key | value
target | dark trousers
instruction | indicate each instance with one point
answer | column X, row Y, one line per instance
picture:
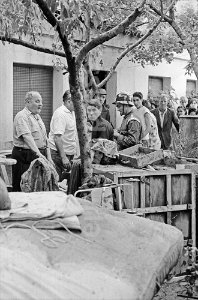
column 24, row 157
column 62, row 172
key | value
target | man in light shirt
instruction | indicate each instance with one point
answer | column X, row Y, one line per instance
column 29, row 137
column 63, row 136
column 165, row 117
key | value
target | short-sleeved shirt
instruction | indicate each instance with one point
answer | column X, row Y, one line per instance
column 64, row 123
column 26, row 122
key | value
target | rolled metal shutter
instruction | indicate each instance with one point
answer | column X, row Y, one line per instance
column 155, row 85
column 33, row 78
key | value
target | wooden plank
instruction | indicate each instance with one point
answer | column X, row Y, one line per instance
column 124, row 171
column 169, row 197
column 193, row 217
column 128, row 190
column 161, row 209
column 142, row 194
column 156, row 191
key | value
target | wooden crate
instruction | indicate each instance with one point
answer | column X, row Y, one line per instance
column 139, row 157
column 166, row 196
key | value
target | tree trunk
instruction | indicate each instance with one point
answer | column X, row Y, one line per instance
column 81, row 123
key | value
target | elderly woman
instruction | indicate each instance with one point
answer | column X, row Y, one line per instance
column 150, row 137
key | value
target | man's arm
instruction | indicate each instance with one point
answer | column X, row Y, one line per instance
column 148, row 124
column 110, row 132
column 59, row 145
column 132, row 136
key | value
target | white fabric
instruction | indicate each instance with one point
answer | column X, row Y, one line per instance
column 140, row 114
column 40, row 205
column 63, row 122
column 162, row 115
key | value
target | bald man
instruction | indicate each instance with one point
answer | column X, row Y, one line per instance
column 29, row 137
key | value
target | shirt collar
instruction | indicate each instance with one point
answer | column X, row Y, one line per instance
column 66, row 109
column 29, row 113
column 129, row 113
column 163, row 112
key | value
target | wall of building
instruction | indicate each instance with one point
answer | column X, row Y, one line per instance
column 17, row 54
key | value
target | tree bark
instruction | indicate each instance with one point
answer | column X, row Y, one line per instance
column 81, row 124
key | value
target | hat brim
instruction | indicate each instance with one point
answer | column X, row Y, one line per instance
column 123, row 102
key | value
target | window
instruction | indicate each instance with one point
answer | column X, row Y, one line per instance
column 158, row 84
column 191, row 87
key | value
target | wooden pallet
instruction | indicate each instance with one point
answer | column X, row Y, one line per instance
column 166, row 196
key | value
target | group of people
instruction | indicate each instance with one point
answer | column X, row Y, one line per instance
column 188, row 107
column 151, row 128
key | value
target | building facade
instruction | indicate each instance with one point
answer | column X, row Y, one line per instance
column 23, row 69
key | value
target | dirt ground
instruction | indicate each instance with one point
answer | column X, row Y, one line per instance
column 171, row 291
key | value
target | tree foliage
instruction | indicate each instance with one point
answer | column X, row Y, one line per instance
column 178, row 32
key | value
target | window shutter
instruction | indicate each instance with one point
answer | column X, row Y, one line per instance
column 27, row 78
column 166, row 84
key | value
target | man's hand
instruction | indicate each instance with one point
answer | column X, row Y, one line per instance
column 41, row 155
column 115, row 133
column 66, row 163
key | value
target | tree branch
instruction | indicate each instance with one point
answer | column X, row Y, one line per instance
column 172, row 23
column 57, row 26
column 31, row 46
column 181, row 35
column 109, row 34
column 90, row 75
column 47, row 12
column 130, row 48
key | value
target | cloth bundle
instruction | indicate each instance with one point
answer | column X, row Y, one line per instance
column 104, row 151
column 43, row 209
column 40, row 176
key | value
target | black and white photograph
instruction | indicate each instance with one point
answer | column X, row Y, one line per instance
column 98, row 149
